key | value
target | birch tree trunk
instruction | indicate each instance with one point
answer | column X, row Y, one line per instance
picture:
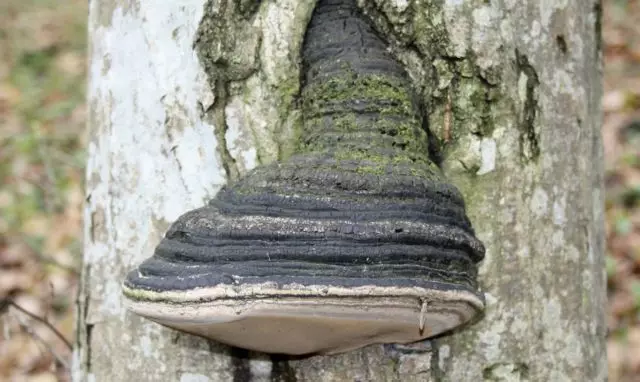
column 187, row 95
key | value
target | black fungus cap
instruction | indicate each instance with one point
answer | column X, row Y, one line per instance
column 358, row 220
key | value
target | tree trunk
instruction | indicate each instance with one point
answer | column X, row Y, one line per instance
column 187, row 95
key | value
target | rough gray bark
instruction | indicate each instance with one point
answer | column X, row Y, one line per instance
column 184, row 96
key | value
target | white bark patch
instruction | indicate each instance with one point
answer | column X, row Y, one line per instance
column 146, row 346
column 559, row 217
column 260, row 369
column 444, row 352
column 151, row 158
column 474, row 153
column 485, row 39
column 191, row 377
column 488, row 151
column 444, row 74
column 467, row 156
column 400, row 5
column 539, row 203
column 564, row 83
column 535, row 30
column 490, row 341
column 238, row 137
column 557, row 239
column 547, row 8
column 152, row 142
column 522, row 87
column 507, row 33
column 490, row 299
column 280, row 36
column 572, row 253
column 253, row 111
column 458, row 26
column 560, row 339
column 507, row 372
column 413, row 365
column 111, row 299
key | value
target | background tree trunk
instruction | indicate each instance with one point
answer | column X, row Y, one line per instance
column 187, row 95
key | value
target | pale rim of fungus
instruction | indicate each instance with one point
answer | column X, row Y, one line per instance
column 299, row 320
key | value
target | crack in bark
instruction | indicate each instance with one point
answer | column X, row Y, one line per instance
column 170, row 138
column 218, row 42
column 83, row 328
column 519, row 371
column 220, row 125
column 597, row 10
column 529, row 144
column 282, row 370
column 87, row 361
column 240, row 365
column 436, row 372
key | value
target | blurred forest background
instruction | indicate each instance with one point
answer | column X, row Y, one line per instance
column 43, row 47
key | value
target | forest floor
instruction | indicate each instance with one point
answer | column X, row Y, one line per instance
column 621, row 133
column 42, row 138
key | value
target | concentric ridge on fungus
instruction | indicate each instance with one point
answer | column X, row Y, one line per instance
column 355, row 239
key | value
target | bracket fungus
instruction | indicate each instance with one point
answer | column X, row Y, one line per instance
column 355, row 239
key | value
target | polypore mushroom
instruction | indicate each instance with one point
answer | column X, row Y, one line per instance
column 355, row 239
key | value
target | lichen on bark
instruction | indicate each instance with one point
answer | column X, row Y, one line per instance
column 250, row 51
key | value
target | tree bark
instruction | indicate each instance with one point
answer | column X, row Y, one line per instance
column 187, row 95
